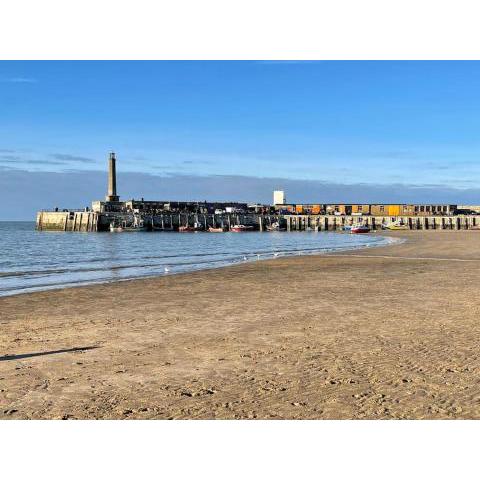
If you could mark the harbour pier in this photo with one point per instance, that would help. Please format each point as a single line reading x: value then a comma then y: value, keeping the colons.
x: 88, y: 221
x: 174, y: 215
x: 82, y: 221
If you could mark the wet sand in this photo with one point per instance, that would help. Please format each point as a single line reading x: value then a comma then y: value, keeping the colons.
x: 389, y: 332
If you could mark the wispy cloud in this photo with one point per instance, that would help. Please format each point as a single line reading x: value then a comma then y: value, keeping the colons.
x: 5, y: 168
x: 65, y: 158
x: 10, y: 158
x: 18, y: 80
x: 14, y: 159
x: 196, y: 162
x: 61, y: 159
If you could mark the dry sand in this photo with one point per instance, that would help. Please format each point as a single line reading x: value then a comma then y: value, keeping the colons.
x: 390, y: 332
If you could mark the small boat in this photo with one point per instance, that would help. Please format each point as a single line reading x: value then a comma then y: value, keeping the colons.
x: 241, y: 228
x: 137, y: 226
x: 115, y: 228
x: 186, y: 228
x: 197, y: 227
x: 347, y: 228
x: 359, y: 229
x: 217, y: 229
x: 398, y: 225
x: 274, y: 227
x: 134, y: 228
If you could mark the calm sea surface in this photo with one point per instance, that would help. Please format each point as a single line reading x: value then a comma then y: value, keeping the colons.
x: 31, y: 260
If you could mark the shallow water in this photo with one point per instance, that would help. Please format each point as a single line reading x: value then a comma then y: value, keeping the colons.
x: 32, y: 261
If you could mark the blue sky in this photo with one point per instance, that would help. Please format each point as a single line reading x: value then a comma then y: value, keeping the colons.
x: 380, y: 123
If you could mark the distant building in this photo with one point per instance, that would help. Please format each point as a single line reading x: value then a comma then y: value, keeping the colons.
x: 259, y: 208
x: 468, y: 209
x: 279, y: 197
x: 387, y: 210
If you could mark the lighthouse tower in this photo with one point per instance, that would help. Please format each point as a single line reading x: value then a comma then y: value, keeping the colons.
x: 112, y: 180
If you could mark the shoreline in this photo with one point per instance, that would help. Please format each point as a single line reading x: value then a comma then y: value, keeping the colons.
x: 361, y: 334
x: 81, y: 283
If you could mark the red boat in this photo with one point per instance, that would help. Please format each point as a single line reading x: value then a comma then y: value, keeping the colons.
x: 360, y: 229
x: 241, y: 228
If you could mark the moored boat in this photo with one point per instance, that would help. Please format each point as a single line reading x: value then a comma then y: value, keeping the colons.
x: 241, y: 228
x: 274, y: 227
x: 115, y: 228
x: 217, y: 229
x: 398, y: 225
x: 197, y: 227
x: 138, y: 225
x: 134, y: 228
x: 360, y: 229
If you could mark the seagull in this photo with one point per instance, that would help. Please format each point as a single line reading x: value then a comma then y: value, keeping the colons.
x: 276, y: 254
x: 258, y: 256
x: 166, y: 269
x: 244, y: 258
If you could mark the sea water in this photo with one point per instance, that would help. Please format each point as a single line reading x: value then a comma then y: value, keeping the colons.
x: 31, y: 260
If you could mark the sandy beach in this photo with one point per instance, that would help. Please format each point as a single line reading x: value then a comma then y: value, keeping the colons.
x: 382, y: 333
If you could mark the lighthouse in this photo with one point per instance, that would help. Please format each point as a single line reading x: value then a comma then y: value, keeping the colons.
x: 112, y: 180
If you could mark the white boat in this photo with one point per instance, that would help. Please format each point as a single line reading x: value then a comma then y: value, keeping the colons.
x: 115, y: 228
x: 274, y: 227
x: 397, y: 225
